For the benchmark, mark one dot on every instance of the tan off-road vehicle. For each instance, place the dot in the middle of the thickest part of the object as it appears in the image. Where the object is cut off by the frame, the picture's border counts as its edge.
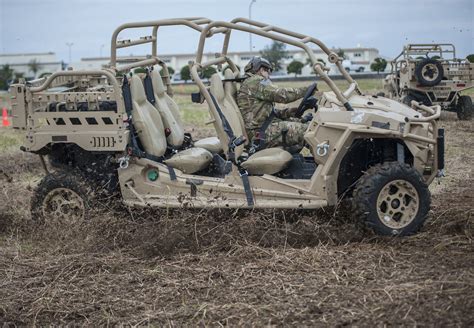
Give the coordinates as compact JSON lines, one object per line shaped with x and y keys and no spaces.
{"x":432,"y":75}
{"x":112,"y":130}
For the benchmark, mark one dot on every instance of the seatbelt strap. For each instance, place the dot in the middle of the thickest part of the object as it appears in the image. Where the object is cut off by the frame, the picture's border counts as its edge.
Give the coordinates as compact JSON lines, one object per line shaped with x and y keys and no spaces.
{"x":171,"y":172}
{"x":246,"y":184}
{"x":148,"y":85}
{"x":260,"y":144}
{"x":127,"y":96}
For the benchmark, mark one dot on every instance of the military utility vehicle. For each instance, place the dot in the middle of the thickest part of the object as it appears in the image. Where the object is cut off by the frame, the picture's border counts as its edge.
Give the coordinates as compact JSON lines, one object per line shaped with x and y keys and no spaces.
{"x":432,"y":75}
{"x":112,"y":130}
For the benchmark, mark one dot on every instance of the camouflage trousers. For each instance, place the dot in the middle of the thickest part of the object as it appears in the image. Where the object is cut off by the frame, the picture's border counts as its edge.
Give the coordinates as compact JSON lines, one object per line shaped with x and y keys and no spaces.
{"x":285,"y":133}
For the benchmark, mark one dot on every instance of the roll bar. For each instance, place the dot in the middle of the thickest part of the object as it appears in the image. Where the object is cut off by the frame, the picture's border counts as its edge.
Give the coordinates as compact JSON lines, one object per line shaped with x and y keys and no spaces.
{"x":279,"y":34}
{"x":195,"y":23}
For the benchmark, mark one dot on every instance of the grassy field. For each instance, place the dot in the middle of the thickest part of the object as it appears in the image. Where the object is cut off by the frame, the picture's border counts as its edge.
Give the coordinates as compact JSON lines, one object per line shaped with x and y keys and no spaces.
{"x":235,"y":268}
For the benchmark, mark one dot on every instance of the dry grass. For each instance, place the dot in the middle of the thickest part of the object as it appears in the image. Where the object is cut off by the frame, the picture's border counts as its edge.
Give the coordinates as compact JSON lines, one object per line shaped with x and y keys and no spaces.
{"x":212,"y":268}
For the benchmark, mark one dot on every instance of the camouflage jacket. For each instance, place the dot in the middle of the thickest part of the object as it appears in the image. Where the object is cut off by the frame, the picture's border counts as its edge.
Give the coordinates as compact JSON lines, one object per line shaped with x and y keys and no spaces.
{"x":256,"y":99}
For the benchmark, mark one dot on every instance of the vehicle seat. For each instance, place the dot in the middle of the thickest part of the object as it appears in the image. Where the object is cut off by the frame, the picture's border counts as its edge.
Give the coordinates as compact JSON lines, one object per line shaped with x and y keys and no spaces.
{"x":146,"y":120}
{"x":149,"y":126}
{"x":266,"y":161}
{"x":230,"y":89}
{"x":169,"y":111}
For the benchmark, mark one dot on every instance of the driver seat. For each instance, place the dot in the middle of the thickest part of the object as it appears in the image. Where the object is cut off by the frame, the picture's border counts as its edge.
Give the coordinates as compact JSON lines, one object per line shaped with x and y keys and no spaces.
{"x":266,"y":161}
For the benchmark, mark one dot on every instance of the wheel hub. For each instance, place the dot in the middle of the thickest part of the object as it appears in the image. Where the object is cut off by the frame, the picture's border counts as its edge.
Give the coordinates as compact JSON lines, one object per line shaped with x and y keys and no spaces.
{"x":63,"y":204}
{"x":430,"y":72}
{"x":397,"y":204}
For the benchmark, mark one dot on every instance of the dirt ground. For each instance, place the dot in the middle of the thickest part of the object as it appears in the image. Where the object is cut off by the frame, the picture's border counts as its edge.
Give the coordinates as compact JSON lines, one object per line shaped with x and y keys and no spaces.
{"x":217,"y":268}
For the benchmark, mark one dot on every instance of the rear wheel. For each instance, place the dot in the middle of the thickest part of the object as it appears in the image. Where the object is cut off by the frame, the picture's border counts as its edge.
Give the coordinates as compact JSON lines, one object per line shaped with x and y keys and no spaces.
{"x":391,"y":199}
{"x":464,"y":108}
{"x":62,"y":196}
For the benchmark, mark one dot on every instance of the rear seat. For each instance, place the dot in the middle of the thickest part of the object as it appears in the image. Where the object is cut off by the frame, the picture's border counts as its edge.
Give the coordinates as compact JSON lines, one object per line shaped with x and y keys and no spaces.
{"x":266,"y":161}
{"x":171,"y":118}
{"x":150,"y":129}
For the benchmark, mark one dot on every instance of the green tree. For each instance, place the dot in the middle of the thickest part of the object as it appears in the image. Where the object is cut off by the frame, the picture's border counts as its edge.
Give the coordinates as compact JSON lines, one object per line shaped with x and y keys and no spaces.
{"x":34,"y":66}
{"x":341,"y":53}
{"x":295,"y":67}
{"x":470,"y":58}
{"x":378,"y":65}
{"x":185,"y":73}
{"x":274,"y":54}
{"x":6,"y":75}
{"x":207,"y":72}
{"x":170,"y":71}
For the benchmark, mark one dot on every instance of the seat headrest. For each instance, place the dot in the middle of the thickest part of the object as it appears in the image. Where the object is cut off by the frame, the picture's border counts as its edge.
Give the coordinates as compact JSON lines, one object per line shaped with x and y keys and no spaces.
{"x":228,"y":74}
{"x":157,"y":81}
{"x":217,"y":88}
{"x":230,"y":86}
{"x":137,"y":89}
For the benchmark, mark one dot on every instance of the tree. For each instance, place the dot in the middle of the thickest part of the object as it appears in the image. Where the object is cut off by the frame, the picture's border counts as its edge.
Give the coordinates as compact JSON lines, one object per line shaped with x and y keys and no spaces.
{"x":207,"y":72}
{"x":6,"y":75}
{"x":341,"y":53}
{"x":185,"y":73}
{"x":34,"y":66}
{"x":470,"y":58}
{"x":274,"y":54}
{"x":378,"y":65}
{"x":295,"y":67}
{"x":170,"y":71}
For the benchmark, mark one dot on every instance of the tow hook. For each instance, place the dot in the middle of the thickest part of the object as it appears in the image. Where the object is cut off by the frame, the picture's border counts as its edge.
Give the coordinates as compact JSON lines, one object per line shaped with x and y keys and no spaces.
{"x":322,"y":148}
{"x":123,"y":161}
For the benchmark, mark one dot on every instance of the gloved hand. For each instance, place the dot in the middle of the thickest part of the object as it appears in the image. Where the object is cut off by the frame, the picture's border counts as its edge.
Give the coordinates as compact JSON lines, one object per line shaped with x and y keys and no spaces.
{"x":307,"y":118}
{"x":311,"y":102}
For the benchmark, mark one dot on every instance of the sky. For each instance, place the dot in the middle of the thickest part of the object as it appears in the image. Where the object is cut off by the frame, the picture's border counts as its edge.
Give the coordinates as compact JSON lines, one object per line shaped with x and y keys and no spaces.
{"x":47,"y":25}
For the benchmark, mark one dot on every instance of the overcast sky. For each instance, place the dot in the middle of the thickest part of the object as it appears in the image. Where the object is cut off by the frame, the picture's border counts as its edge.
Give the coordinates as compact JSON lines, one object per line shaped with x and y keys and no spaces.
{"x":47,"y":25}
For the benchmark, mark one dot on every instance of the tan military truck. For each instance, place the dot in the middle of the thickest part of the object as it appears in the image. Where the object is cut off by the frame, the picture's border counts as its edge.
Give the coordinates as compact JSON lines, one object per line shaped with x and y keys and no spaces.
{"x":112,"y":130}
{"x":432,"y":75}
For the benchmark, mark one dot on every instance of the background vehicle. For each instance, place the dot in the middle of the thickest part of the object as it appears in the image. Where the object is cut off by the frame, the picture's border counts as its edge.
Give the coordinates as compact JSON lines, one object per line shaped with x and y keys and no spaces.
{"x":351,"y":67}
{"x":431,"y":74}
{"x":112,"y":129}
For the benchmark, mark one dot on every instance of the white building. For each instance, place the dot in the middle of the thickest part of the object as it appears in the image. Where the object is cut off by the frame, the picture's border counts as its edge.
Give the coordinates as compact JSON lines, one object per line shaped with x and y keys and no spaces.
{"x":22,"y":63}
{"x":359,"y":57}
{"x":48,"y":63}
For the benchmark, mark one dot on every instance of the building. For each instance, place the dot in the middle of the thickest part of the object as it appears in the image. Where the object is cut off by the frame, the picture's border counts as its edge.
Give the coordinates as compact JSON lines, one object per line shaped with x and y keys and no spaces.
{"x":357,"y":57}
{"x":22,"y":63}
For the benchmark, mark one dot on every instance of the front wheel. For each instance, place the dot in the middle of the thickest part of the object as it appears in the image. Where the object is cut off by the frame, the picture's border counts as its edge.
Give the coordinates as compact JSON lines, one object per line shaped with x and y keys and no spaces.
{"x":391,"y":199}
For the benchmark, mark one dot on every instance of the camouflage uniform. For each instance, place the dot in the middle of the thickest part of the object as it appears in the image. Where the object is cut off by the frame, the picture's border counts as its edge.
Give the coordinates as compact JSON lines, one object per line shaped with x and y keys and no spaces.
{"x":256,"y":98}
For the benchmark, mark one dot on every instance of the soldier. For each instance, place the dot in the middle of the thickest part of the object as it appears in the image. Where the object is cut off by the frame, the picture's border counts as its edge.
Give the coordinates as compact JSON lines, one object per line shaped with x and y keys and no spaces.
{"x":264,"y":123}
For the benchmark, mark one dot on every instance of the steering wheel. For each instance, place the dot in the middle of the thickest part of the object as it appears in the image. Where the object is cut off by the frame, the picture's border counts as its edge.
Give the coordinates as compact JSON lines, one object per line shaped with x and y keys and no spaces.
{"x":309,"y":93}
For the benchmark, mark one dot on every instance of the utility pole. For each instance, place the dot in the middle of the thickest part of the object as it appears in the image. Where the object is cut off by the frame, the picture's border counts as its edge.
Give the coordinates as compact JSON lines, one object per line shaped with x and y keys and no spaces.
{"x":250,"y":17}
{"x":69,"y":44}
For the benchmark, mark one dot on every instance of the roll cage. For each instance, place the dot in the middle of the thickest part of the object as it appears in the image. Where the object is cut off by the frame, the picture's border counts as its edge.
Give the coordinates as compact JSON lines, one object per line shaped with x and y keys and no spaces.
{"x":411,"y":52}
